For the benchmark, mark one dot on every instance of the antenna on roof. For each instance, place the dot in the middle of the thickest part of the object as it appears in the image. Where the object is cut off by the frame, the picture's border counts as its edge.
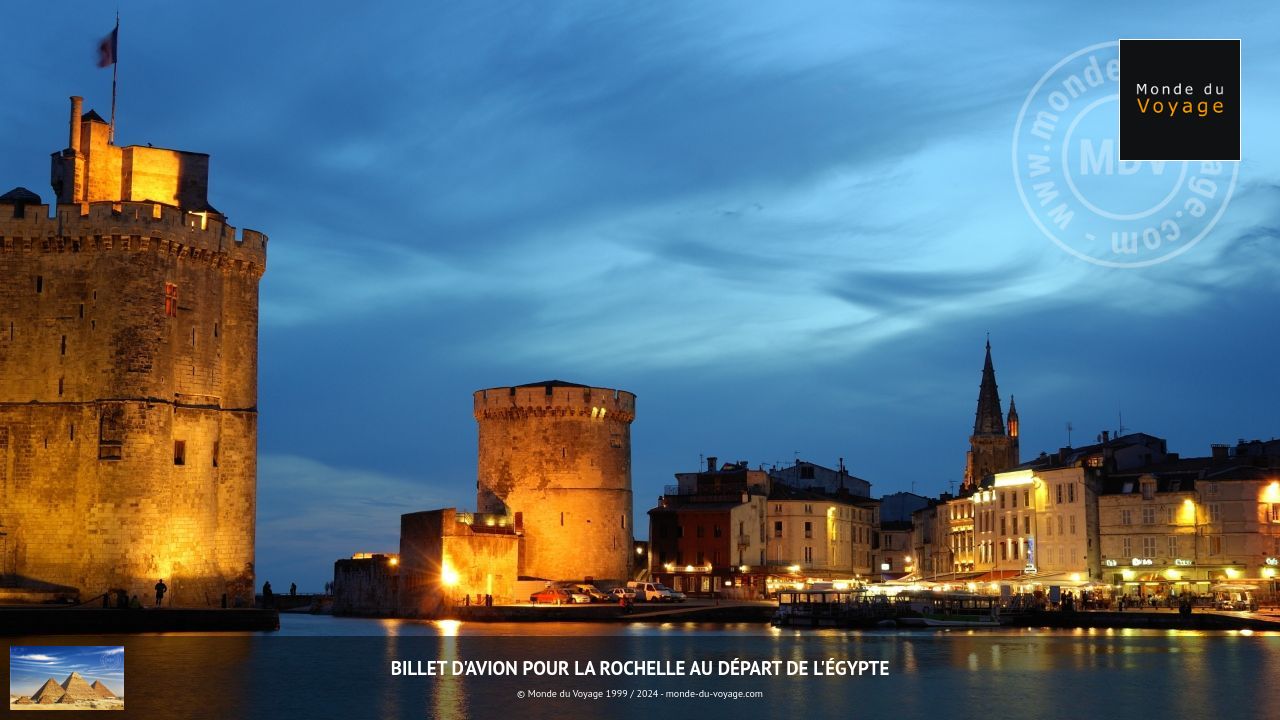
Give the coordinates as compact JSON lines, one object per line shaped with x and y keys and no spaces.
{"x":1069,"y":429}
{"x":1120,"y":430}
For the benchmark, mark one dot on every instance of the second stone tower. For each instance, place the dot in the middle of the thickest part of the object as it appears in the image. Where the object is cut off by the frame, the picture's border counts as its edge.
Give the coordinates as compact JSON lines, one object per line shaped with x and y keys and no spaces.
{"x":558,"y":455}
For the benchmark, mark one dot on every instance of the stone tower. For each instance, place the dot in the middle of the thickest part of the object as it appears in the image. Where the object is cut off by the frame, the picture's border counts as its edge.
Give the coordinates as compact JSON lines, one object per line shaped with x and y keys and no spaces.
{"x":991,"y":449}
{"x":128,"y":378}
{"x":559,"y":455}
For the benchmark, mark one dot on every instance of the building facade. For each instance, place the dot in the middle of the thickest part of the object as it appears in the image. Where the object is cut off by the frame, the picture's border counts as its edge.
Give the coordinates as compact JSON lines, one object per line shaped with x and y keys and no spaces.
{"x":128,"y":378}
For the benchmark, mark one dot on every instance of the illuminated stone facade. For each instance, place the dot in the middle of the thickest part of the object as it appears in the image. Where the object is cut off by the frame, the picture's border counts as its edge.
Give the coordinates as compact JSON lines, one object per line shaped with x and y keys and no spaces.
{"x":557,"y":456}
{"x":128,"y":378}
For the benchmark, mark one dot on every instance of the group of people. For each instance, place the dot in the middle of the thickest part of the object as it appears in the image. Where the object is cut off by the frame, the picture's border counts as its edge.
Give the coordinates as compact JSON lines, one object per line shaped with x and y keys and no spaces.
{"x":485,"y":600}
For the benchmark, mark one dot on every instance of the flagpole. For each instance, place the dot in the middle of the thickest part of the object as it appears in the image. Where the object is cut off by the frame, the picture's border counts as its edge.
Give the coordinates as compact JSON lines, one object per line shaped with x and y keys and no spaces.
{"x":115,"y":70}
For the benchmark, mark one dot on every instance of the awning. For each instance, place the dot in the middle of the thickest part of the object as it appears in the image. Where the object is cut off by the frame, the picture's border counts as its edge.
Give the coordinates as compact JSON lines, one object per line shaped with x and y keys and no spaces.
{"x":994,"y":575}
{"x":1055,"y":578}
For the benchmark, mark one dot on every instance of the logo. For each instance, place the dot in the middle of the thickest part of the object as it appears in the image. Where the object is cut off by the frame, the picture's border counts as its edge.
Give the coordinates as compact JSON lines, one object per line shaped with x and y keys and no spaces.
{"x":1096,"y":207}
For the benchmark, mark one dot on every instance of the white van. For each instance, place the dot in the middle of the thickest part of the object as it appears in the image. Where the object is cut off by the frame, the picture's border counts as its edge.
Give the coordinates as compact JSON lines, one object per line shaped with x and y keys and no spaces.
{"x":650,"y":592}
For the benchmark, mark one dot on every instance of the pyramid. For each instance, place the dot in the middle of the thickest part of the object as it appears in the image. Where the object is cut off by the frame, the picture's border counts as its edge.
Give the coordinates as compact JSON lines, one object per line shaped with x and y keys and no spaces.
{"x":23,"y":700}
{"x":49,"y":693}
{"x":75,"y":688}
{"x":102,"y":690}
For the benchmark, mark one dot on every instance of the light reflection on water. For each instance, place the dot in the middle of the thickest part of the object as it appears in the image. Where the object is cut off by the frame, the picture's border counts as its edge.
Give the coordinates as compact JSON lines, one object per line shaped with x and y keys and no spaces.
{"x":321,"y":667}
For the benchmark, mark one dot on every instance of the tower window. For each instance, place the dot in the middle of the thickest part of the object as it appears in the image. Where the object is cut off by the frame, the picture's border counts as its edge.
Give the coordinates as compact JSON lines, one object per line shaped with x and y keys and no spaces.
{"x":111,"y":433}
{"x":39,"y":283}
{"x":215,"y":329}
{"x":216,"y":445}
{"x":179,"y":452}
{"x":62,"y":348}
{"x":170,"y":300}
{"x":60,"y":386}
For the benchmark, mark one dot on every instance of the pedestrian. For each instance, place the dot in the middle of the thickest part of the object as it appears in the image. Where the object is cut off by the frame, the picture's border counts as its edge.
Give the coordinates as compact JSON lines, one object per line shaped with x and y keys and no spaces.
{"x":268,"y":598}
{"x":488,"y":600}
{"x":161,"y":589}
{"x":466,"y":600}
{"x":293,"y":589}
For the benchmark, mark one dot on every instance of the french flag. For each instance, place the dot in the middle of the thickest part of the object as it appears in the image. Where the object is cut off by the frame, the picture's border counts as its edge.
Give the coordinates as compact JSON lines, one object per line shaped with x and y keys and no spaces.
{"x":107,"y":48}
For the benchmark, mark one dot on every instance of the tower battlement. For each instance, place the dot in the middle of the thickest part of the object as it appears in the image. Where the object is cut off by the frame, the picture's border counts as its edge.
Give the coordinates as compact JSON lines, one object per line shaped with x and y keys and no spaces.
{"x":136,"y":226}
{"x":555,"y":399}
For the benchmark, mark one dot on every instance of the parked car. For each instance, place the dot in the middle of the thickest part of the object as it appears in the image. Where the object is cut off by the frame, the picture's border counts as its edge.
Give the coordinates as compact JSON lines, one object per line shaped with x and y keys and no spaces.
{"x":619,"y":593}
{"x":551,"y":596}
{"x":592,"y":592}
{"x":576,"y":596}
{"x":672,"y":595}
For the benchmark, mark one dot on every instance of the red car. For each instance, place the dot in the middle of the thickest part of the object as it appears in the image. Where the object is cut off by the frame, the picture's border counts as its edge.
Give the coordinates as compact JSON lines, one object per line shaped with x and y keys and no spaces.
{"x":551,"y":596}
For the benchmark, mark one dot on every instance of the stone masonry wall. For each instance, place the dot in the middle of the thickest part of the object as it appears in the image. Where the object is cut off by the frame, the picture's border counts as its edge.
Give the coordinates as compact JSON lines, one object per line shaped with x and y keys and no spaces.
{"x":128,"y":421}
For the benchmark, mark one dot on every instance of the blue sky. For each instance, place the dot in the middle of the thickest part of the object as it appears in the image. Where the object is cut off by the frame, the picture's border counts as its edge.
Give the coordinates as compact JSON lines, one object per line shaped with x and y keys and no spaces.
{"x":30,"y":666}
{"x":786,"y":229}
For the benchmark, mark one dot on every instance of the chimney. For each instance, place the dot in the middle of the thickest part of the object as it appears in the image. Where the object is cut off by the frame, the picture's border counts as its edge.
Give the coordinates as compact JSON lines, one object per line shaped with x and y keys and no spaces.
{"x":1106,"y":435}
{"x":1220,"y":452}
{"x":711,"y":463}
{"x":76,"y":105}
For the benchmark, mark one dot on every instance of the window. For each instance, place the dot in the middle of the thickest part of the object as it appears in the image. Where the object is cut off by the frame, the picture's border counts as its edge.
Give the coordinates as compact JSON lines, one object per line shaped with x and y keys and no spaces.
{"x":1017,"y":548}
{"x":62,"y":349}
{"x":1173,"y":546}
{"x":1001,"y":501}
{"x":1048,"y":528}
{"x":111,"y":433}
{"x":1148,"y":515}
{"x":808,"y":554}
{"x":170,"y":300}
{"x":1013,"y":498}
{"x":1215,"y":544}
{"x":715,"y":531}
{"x":179,"y":452}
{"x":1071,"y":493}
{"x":777,"y":528}
{"x":1148,"y":547}
{"x":1026,"y":524}
{"x":700,"y":533}
{"x":1275,"y":512}
{"x":39,"y":284}
{"x":808,"y":529}
{"x":1126,"y":517}
{"x":1004,"y":551}
{"x":1059,"y":494}
{"x":1215,"y":514}
{"x":1002,"y":527}
{"x":1126,"y":547}
{"x":1148,"y":490}
{"x":677,"y":583}
{"x":1026,"y":498}
{"x":808,"y":509}
{"x":1073,"y":524}
{"x":1059,"y":524}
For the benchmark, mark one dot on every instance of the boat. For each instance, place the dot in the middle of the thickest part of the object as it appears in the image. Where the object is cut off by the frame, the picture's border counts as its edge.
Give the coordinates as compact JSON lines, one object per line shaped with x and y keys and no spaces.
{"x":859,"y":608}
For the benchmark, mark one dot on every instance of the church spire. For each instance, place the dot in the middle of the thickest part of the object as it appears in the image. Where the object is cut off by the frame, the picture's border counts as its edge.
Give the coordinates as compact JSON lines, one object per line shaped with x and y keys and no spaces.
{"x":989,"y":419}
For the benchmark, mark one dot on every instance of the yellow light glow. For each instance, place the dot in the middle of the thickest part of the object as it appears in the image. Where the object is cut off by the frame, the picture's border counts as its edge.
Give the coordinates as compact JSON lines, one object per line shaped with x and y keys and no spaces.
{"x":449,"y":576}
{"x":1127,"y":574}
{"x":907,"y":559}
{"x":671,"y":567}
{"x":1075,"y":577}
{"x":1172,"y":574}
{"x":1272,"y":492}
{"x":1187,"y":512}
{"x":1016,"y":477}
{"x":1233,"y":573}
{"x":688,"y":568}
{"x":973,"y":587}
{"x":845,"y":585}
{"x":742,"y":568}
{"x":394,"y":561}
{"x":1268,"y":572}
{"x":794,"y":569}
{"x":449,"y":628}
{"x":639,"y":551}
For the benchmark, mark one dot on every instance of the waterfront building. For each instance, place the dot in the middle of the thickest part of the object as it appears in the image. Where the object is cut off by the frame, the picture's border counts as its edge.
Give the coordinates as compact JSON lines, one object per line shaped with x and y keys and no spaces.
{"x":823,"y":535}
{"x":128,"y":379}
{"x":811,"y":476}
{"x":448,"y":556}
{"x":1188,"y":524}
{"x":892,"y":556}
{"x":707,"y":536}
{"x":931,"y":542}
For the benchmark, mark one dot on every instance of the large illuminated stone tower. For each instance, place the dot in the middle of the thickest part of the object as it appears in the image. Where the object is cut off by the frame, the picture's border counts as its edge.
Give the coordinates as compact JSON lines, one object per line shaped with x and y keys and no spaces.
{"x":559,"y":455}
{"x":128,"y":378}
